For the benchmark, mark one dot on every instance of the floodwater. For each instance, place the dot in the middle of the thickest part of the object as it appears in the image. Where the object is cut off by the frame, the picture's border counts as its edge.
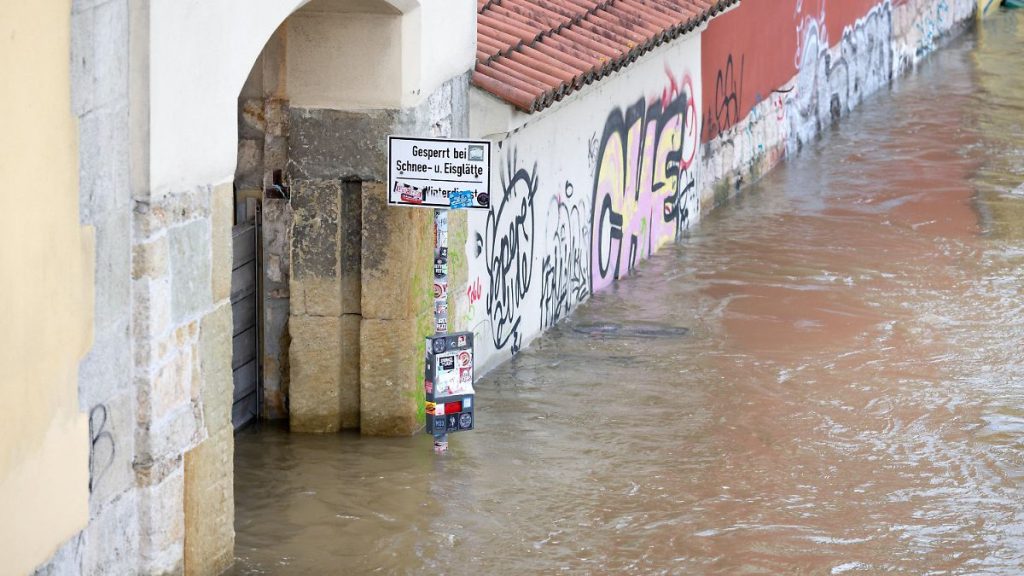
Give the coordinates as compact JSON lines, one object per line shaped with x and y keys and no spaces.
{"x":827,"y":377}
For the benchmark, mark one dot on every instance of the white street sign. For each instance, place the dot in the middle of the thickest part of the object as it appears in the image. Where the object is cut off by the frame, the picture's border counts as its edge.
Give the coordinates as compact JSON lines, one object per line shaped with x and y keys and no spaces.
{"x":439,"y":173}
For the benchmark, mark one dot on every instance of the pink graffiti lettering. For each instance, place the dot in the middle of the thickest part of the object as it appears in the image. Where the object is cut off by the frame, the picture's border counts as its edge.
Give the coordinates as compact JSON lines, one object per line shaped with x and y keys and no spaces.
{"x":475,"y":291}
{"x":644,"y":192}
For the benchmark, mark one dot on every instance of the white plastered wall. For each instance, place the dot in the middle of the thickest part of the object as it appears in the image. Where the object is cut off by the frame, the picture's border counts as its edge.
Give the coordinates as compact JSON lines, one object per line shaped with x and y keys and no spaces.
{"x":201,"y":51}
{"x":544,"y":247}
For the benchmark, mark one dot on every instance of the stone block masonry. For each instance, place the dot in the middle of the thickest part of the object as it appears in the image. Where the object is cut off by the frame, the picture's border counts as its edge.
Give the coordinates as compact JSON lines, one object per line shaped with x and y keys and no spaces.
{"x":397,"y":307}
{"x":315,"y":361}
{"x":111,"y":542}
{"x":209,"y":491}
{"x":183,"y":378}
{"x":316,"y":305}
{"x":155,"y":388}
{"x":262,"y":158}
{"x":358,"y":267}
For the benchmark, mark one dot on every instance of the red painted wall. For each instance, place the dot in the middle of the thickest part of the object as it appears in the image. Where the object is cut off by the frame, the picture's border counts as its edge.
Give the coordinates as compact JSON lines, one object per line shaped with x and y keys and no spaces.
{"x":761,"y":38}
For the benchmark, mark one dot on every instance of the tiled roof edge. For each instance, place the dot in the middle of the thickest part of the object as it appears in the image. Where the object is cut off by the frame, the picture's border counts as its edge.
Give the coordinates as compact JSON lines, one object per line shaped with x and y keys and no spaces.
{"x":530,"y":90}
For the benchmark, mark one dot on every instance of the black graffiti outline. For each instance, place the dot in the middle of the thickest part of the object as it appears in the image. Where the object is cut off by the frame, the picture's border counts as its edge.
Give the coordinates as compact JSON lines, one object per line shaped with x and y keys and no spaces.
{"x":724,"y":111}
{"x":592,"y":159}
{"x":565,"y":269}
{"x":98,"y":434}
{"x":509,"y":254}
{"x":618,"y":125}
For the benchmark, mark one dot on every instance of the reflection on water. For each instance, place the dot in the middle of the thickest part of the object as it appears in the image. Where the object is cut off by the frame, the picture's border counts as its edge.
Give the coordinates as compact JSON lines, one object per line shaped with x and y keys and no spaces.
{"x":827,"y":378}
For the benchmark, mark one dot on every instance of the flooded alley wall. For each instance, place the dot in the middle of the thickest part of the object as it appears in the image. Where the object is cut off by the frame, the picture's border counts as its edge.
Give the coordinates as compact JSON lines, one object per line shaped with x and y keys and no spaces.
{"x":582,"y":193}
{"x":589,"y":188}
{"x":777,"y":73}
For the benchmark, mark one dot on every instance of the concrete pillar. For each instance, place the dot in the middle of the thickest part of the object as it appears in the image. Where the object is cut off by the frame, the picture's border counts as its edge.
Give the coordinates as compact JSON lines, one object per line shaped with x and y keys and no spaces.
{"x":315,"y":324}
{"x":397,"y":303}
{"x":361,"y":300}
{"x":277,"y":224}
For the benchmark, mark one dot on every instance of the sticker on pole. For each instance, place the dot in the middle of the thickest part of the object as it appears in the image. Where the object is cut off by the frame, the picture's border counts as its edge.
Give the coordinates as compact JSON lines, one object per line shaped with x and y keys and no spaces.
{"x":448,"y":383}
{"x":439,"y":173}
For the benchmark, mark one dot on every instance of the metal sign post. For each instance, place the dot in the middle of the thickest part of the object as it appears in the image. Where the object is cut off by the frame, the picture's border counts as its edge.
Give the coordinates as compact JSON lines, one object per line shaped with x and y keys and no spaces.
{"x":442,"y":174}
{"x":440,"y":297}
{"x":448,"y":370}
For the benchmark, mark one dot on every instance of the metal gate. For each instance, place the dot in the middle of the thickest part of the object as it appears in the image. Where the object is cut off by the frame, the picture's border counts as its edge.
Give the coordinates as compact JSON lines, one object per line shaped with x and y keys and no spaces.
{"x":245,"y":336}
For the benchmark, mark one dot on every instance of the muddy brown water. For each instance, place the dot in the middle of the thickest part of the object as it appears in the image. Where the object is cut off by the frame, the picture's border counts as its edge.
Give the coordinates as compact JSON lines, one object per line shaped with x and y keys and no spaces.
{"x":826,"y":378}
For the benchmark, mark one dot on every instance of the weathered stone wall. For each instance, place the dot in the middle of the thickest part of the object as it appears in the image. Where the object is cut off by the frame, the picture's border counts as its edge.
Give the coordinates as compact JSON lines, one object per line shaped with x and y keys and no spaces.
{"x":317,"y":304}
{"x":360,"y":272}
{"x":262,"y":155}
{"x":157,"y":382}
{"x":277,"y":220}
{"x":110,"y":544}
{"x":180,"y":289}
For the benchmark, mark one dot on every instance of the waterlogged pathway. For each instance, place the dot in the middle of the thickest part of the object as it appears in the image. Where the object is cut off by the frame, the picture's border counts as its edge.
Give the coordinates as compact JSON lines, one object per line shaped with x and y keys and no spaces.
{"x":826,"y":378}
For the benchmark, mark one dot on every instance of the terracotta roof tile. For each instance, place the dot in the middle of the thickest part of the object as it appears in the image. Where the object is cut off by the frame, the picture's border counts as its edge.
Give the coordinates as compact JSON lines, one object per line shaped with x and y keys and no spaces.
{"x":531,"y":53}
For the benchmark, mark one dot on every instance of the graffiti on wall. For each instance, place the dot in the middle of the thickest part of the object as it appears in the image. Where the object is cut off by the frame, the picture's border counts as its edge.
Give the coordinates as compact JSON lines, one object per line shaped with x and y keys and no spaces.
{"x":644,"y":195}
{"x":930,"y":27}
{"x":611,"y":200}
{"x":550,"y":241}
{"x":565,"y":268}
{"x":724,"y":108}
{"x":832,"y":80}
{"x":508,"y":253}
{"x":768,"y":43}
{"x":644,"y":186}
{"x":583,"y":204}
{"x":102,"y":448}
{"x":812,"y":44}
{"x":837,"y":53}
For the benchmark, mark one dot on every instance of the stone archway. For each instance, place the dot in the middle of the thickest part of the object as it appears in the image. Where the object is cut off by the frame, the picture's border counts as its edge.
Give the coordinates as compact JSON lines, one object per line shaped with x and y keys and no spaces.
{"x":355,"y":298}
{"x":196,"y":59}
{"x":337,"y":77}
{"x":156,"y":87}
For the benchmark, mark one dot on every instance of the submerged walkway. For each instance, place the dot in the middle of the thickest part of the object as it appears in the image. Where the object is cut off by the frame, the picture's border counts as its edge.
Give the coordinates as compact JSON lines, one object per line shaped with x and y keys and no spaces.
{"x":827,"y":377}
